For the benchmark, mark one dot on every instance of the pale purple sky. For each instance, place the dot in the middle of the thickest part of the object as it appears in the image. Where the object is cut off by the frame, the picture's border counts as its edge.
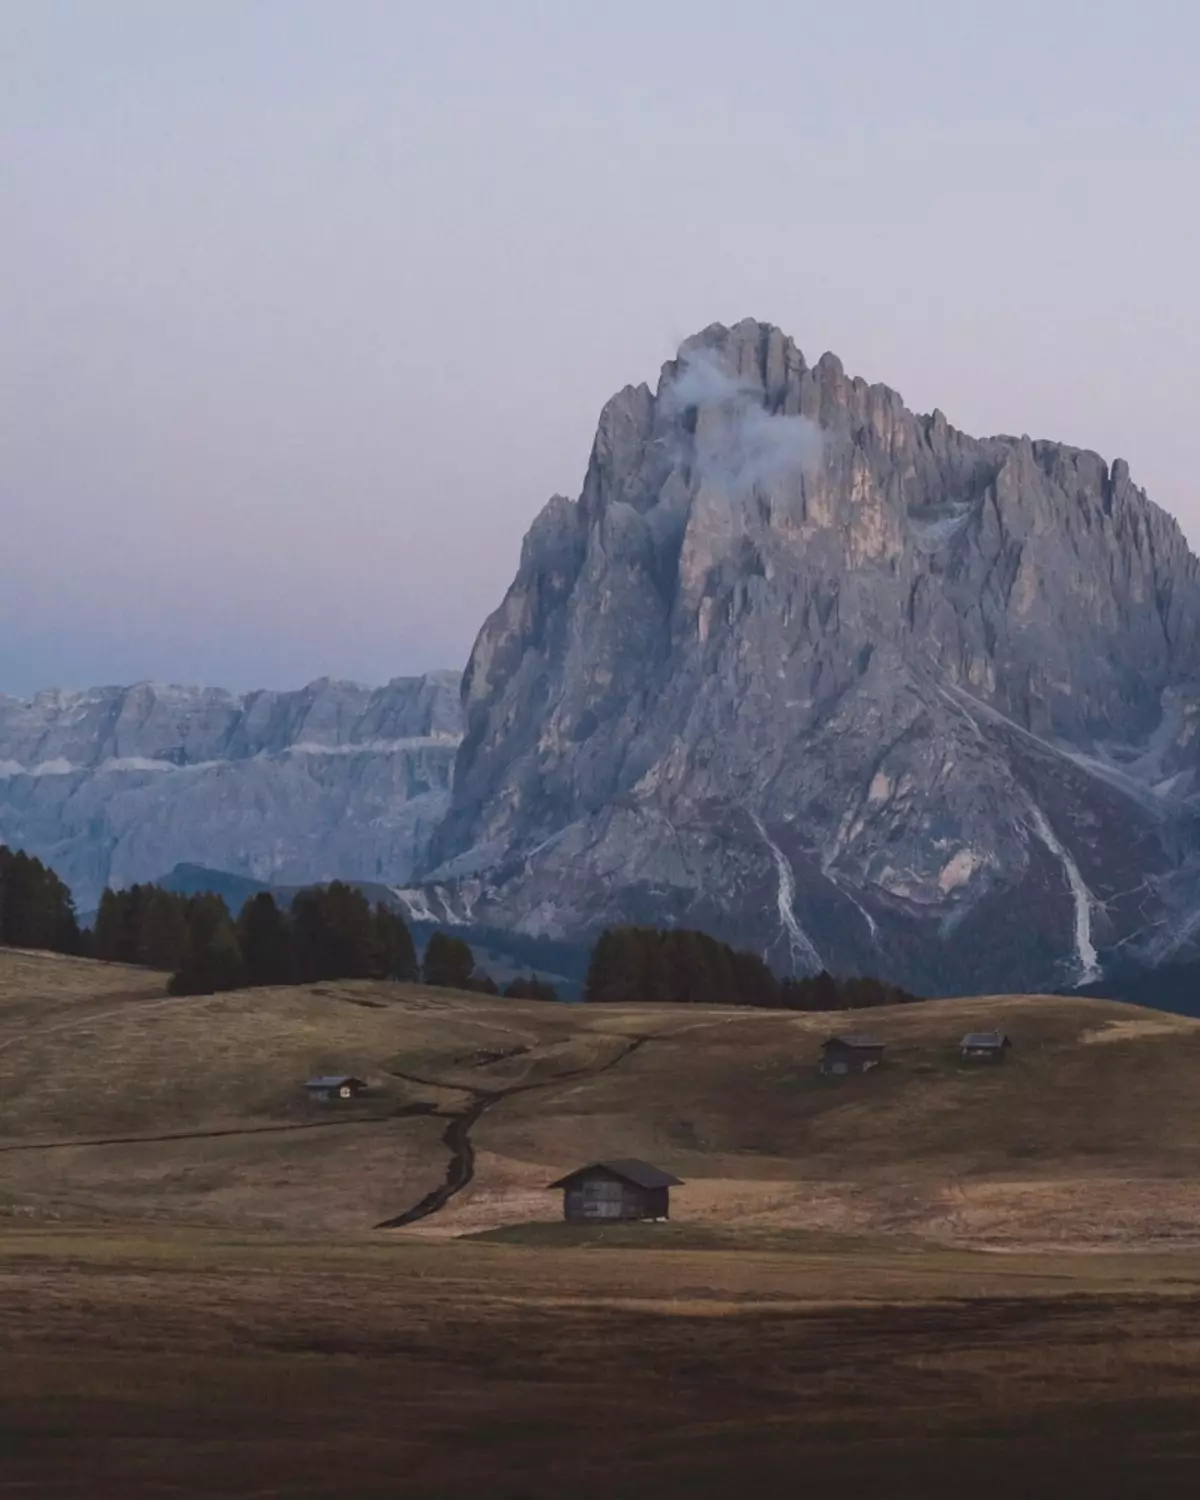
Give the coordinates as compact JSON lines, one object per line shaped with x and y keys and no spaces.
{"x":306,"y":306}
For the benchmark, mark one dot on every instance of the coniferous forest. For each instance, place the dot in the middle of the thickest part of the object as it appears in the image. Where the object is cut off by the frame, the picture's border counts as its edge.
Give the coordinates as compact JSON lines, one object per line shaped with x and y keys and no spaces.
{"x":332,"y":932}
{"x":328,"y":932}
{"x":36,"y":909}
{"x":639,"y":964}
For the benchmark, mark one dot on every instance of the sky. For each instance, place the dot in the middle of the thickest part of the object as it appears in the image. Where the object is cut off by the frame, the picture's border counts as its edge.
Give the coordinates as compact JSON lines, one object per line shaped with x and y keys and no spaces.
{"x":307,"y":306}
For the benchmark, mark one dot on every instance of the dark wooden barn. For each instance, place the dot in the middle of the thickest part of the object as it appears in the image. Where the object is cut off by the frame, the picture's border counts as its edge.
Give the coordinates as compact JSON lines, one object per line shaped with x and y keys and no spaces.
{"x":337,"y":1088}
{"x":850,"y":1054}
{"x":611,"y":1190}
{"x":985,"y":1046}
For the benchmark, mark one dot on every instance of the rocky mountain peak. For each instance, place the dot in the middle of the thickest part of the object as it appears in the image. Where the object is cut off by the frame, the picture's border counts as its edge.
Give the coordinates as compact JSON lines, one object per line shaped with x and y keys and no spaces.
{"x":791,"y":620}
{"x":824,"y":676}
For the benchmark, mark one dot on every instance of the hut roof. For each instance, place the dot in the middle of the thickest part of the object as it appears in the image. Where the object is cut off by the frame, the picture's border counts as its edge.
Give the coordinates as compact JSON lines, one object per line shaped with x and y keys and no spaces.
{"x":976,"y":1039}
{"x":640,"y":1173}
{"x":856,"y":1043}
{"x":331,"y":1081}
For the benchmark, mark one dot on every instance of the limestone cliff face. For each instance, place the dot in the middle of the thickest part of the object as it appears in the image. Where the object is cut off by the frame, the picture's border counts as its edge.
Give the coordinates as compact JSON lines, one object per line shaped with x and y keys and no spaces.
{"x":838,"y":681}
{"x":113,"y":785}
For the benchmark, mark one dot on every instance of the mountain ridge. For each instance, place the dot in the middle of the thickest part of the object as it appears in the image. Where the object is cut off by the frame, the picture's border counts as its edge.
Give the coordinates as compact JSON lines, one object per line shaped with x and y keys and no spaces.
{"x":797,"y":650}
{"x":116,"y":785}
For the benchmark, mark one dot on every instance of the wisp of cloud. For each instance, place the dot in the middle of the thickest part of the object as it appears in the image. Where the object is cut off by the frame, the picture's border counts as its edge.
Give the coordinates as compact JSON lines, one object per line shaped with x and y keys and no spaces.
{"x":739,"y":445}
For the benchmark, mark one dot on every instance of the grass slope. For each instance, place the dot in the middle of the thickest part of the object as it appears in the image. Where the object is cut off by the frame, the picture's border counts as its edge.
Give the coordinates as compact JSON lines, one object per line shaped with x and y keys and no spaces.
{"x":162,"y":1364}
{"x":1089,"y":1133}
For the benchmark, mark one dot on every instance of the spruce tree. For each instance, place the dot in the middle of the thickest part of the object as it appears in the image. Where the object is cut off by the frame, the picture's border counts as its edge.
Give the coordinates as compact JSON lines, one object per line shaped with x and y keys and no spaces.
{"x":396,"y":955}
{"x":163,"y":929}
{"x":212,"y":958}
{"x":335,"y":934}
{"x":265,"y":938}
{"x":36,"y":909}
{"x":617,"y":969}
{"x":449,"y":962}
{"x":106,"y":933}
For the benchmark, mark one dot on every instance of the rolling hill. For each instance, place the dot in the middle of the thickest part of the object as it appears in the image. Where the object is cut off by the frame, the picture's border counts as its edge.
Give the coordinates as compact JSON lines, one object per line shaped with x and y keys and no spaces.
{"x":119,"y":1104}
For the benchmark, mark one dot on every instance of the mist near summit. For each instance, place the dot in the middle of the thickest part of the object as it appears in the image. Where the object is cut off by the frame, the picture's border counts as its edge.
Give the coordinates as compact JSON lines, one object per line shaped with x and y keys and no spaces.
{"x":739,"y":445}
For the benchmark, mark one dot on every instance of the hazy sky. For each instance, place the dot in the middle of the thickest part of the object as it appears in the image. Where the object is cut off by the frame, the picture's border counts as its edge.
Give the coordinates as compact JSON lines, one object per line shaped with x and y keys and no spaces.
{"x":306,"y":306}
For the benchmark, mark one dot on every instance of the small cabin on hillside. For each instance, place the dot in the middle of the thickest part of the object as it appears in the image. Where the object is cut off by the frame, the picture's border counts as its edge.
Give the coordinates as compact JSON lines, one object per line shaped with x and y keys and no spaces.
{"x":985,"y":1046}
{"x":616,"y":1190}
{"x":334,"y":1089}
{"x":850,"y":1054}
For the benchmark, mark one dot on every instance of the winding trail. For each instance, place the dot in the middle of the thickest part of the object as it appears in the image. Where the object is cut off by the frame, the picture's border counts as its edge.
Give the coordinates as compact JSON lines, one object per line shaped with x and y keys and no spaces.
{"x":460,"y":1169}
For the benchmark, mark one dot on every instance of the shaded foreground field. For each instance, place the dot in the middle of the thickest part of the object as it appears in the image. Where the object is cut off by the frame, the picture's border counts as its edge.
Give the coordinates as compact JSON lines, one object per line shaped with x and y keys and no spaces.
{"x":193,"y":1366}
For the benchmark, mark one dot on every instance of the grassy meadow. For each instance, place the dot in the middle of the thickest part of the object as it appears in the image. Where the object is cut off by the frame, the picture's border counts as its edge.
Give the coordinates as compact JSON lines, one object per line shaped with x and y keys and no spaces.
{"x":120,"y":1105}
{"x":178,"y":1363}
{"x":934,"y":1280}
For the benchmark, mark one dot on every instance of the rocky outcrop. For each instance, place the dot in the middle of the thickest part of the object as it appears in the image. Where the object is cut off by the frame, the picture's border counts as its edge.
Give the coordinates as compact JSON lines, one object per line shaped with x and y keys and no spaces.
{"x":114,"y":785}
{"x":838,"y":681}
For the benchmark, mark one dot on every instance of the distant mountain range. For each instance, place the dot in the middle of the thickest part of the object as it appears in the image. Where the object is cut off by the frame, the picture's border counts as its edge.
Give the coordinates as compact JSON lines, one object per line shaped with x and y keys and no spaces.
{"x":800,"y":667}
{"x":116,"y":785}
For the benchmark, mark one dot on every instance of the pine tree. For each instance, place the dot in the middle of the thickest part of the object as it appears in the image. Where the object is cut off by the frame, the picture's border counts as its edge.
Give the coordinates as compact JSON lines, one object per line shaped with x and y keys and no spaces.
{"x":754,"y":983}
{"x":396,"y":955}
{"x":163,"y":929}
{"x":335,"y":934}
{"x":649,"y":966}
{"x":449,"y":962}
{"x":211,"y":965}
{"x":133,"y":905}
{"x":221,"y":965}
{"x":825,"y":992}
{"x":212,"y":959}
{"x":36,"y":909}
{"x":106,"y":933}
{"x":265,"y":938}
{"x":619,"y":968}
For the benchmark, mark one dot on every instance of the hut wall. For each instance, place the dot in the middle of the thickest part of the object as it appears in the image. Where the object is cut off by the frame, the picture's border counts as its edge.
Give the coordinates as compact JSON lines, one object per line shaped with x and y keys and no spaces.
{"x":850,"y":1061}
{"x":609,"y":1199}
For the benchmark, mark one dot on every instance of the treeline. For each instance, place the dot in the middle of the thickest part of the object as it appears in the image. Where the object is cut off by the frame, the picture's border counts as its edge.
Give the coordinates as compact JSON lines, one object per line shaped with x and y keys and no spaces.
{"x":36,"y":909}
{"x":329,"y":932}
{"x":531,"y":955}
{"x":690,"y":968}
{"x":450,"y":963}
{"x":333,"y":932}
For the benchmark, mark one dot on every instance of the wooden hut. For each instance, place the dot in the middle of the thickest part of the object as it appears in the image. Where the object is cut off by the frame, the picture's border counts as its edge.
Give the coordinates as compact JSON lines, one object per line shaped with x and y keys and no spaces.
{"x":850,"y":1054}
{"x":336,"y":1088}
{"x":985,"y":1046}
{"x":616,"y":1190}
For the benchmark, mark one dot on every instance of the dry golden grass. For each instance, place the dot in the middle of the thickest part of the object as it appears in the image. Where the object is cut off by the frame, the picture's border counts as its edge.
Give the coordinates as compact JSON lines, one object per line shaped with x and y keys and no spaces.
{"x":1139,"y":1029}
{"x":198,"y":1306}
{"x":212,"y":1365}
{"x":35,"y":988}
{"x":1069,"y":1143}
